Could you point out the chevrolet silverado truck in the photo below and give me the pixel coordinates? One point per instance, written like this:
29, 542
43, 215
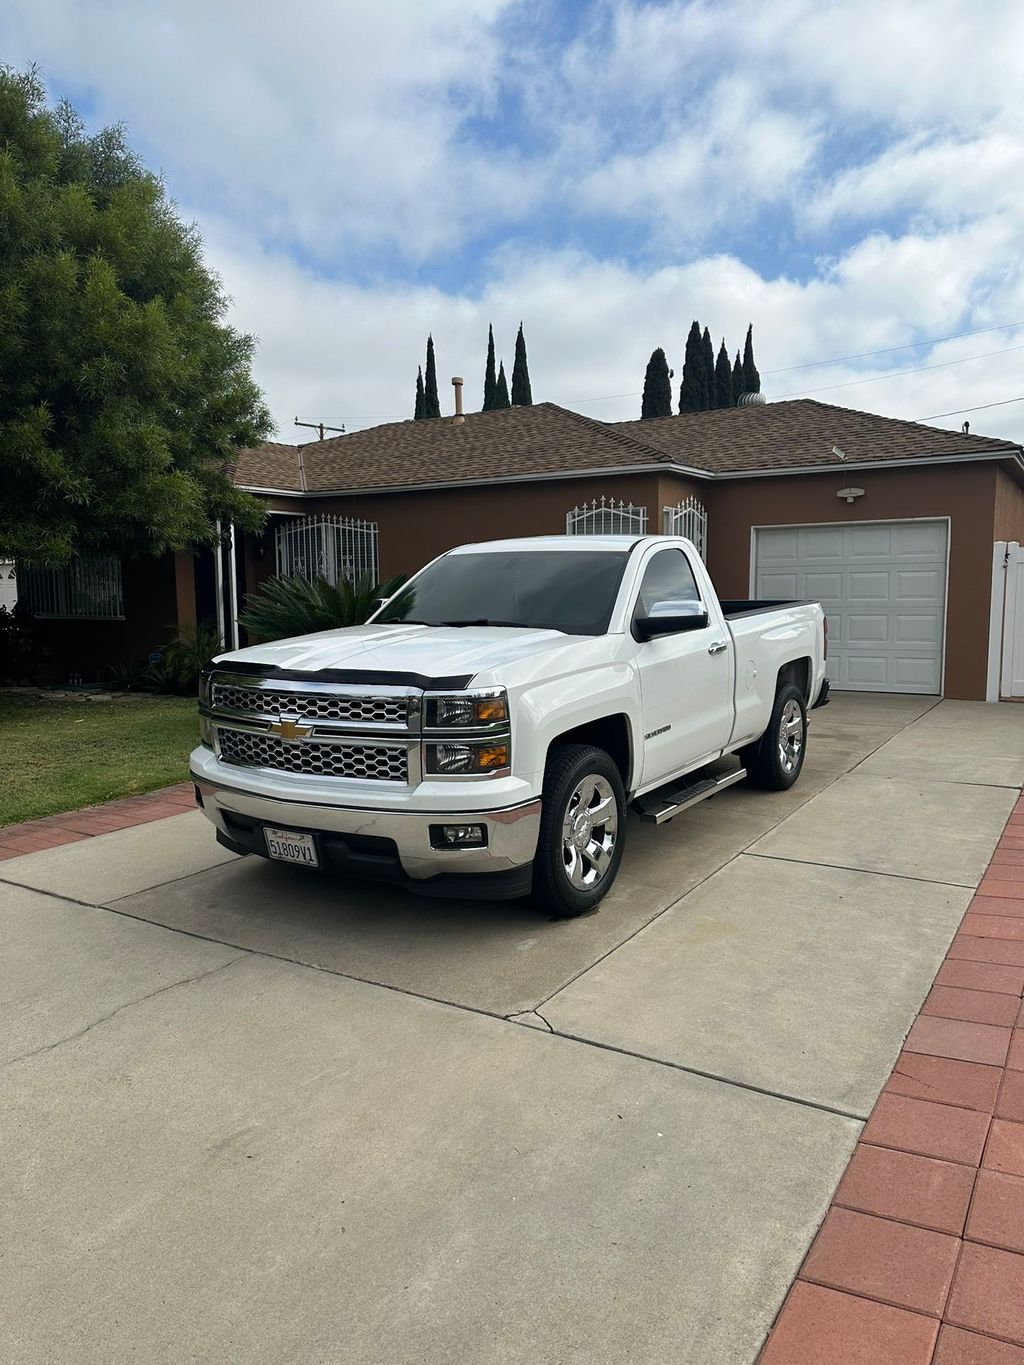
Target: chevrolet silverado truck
488, 729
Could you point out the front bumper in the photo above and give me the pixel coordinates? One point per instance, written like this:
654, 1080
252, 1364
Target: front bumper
385, 845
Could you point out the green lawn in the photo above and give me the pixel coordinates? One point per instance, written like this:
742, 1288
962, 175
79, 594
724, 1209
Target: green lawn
57, 756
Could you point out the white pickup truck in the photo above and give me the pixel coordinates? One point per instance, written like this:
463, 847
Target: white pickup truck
486, 732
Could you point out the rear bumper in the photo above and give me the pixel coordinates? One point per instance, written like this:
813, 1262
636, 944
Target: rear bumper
389, 845
822, 699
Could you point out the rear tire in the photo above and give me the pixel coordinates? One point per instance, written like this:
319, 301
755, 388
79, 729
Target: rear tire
582, 830
775, 761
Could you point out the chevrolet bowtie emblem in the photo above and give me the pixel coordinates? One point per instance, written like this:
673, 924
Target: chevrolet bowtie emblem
290, 729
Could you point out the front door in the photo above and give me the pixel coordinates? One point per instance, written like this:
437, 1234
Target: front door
685, 679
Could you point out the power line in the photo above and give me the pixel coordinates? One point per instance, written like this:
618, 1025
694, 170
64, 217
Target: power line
888, 350
980, 407
892, 374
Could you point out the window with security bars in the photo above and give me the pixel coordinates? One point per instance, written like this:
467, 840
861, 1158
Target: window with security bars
690, 520
327, 547
8, 584
89, 587
606, 517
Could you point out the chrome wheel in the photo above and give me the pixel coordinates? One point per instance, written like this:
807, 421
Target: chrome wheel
791, 736
590, 828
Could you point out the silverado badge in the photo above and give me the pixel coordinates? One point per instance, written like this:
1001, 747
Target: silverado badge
290, 729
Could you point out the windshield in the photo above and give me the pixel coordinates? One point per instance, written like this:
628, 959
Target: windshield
568, 590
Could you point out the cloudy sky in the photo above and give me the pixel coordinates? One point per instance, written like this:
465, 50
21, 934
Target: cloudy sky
847, 176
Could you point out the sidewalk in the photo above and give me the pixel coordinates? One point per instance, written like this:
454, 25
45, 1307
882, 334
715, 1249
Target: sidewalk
920, 1260
72, 826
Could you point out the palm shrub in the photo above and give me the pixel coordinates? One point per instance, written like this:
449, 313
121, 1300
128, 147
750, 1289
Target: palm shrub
300, 606
184, 657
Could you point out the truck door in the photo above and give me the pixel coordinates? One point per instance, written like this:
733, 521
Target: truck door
686, 680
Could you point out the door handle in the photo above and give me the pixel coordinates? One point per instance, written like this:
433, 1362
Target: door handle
717, 647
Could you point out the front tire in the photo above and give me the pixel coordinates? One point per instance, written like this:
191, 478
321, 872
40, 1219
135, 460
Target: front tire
775, 761
582, 830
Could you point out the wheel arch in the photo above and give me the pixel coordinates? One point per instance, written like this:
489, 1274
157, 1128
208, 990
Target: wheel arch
797, 671
613, 734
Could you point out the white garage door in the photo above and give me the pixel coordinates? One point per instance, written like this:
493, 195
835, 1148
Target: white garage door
883, 586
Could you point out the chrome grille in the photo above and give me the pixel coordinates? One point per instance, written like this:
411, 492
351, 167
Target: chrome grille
369, 762
312, 705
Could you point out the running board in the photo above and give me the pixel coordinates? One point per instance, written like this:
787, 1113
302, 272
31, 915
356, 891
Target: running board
659, 806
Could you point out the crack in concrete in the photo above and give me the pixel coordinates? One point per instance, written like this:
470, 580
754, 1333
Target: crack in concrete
128, 1004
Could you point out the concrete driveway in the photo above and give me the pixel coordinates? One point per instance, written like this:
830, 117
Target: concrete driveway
251, 1114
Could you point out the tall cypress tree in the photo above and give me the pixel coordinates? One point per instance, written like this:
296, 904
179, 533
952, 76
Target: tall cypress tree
751, 378
657, 400
419, 414
501, 389
709, 368
431, 404
522, 394
723, 379
693, 391
490, 379
737, 378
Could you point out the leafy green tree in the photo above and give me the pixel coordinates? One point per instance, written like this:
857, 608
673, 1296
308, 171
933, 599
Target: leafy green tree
657, 399
285, 606
419, 413
723, 379
122, 390
737, 378
708, 352
431, 403
693, 391
522, 394
751, 378
490, 379
501, 389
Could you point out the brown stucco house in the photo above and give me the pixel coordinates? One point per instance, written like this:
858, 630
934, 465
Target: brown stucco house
894, 525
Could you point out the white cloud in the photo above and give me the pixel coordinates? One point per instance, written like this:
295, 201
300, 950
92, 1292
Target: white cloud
333, 156
337, 352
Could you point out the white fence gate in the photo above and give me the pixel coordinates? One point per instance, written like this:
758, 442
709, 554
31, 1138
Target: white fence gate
327, 547
690, 520
606, 518
1012, 681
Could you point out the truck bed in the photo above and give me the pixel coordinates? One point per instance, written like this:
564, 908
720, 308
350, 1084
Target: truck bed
750, 606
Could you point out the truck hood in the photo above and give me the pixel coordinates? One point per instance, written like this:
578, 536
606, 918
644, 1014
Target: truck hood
452, 653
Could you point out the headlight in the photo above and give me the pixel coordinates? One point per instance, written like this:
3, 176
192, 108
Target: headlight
454, 759
206, 731
465, 711
204, 688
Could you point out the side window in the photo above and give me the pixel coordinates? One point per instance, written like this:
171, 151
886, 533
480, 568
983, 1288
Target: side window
667, 578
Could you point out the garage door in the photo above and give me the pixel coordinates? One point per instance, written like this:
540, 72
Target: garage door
883, 586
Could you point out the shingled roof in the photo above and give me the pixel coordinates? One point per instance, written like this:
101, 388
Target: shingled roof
799, 433
270, 465
548, 440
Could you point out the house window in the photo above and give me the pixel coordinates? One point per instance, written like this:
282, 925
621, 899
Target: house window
688, 519
89, 587
327, 547
606, 518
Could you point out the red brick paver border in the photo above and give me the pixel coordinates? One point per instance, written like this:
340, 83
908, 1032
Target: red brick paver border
74, 825
920, 1260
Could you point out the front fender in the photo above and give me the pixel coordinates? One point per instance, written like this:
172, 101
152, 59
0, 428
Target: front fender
545, 710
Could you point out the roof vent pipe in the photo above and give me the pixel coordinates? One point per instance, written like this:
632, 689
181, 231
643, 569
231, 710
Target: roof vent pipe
751, 400
457, 385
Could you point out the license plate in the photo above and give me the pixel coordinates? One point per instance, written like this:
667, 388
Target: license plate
290, 847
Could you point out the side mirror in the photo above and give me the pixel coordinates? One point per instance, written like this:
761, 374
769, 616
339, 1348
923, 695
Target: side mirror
377, 603
671, 618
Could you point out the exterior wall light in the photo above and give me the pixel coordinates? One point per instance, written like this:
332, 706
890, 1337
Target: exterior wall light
850, 494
